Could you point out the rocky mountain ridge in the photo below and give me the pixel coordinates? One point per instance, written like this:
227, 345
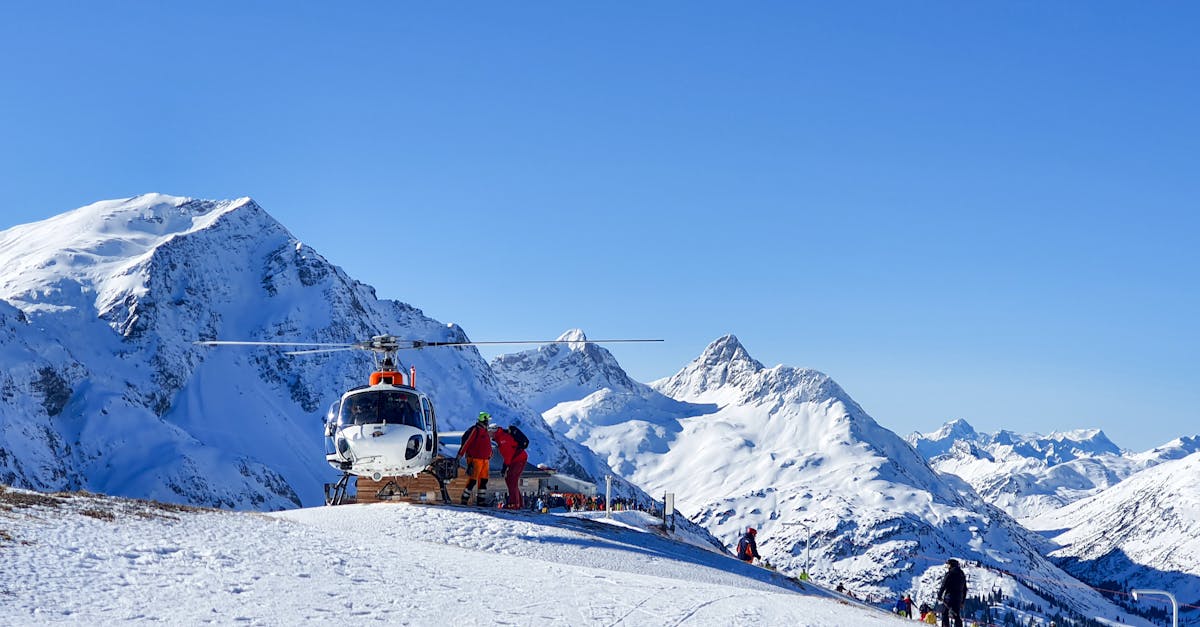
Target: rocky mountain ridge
787, 451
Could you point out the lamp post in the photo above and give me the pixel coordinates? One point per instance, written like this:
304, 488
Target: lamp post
807, 546
1174, 603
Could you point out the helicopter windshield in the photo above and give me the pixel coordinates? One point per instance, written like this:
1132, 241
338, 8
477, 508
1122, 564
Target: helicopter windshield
388, 407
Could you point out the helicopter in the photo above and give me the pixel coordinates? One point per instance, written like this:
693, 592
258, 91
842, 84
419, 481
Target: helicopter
387, 428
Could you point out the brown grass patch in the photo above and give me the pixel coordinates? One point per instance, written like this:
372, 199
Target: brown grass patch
99, 514
172, 507
28, 499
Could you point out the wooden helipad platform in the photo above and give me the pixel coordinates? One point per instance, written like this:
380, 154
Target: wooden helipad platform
423, 488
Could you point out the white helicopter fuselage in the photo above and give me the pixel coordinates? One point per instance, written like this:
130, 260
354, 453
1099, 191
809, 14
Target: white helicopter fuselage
381, 431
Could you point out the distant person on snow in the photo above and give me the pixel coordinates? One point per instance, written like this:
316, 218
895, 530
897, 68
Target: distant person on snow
477, 447
907, 606
953, 593
747, 549
512, 444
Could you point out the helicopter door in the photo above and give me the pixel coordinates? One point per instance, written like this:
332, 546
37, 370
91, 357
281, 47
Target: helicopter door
430, 422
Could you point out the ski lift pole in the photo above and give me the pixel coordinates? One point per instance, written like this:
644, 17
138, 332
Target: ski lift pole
608, 496
1174, 603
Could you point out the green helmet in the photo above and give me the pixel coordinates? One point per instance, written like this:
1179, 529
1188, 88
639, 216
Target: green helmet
484, 417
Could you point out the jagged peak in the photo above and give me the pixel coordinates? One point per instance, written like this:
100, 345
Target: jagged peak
724, 363
566, 370
957, 429
726, 350
575, 339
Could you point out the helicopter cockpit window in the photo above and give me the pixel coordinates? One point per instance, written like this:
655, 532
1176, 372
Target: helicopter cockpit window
397, 408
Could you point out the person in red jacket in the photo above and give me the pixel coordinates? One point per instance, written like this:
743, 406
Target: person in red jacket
514, 457
477, 447
747, 549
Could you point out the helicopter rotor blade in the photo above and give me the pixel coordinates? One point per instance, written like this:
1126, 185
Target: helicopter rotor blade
391, 344
421, 344
243, 343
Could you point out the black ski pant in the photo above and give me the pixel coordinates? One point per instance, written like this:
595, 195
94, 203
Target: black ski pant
952, 610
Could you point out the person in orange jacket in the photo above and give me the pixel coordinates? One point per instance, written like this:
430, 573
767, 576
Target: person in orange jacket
477, 447
514, 457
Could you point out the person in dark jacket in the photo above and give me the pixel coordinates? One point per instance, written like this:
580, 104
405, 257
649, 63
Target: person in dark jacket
477, 446
953, 593
747, 549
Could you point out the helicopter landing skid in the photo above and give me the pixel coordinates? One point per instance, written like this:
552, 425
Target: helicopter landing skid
335, 493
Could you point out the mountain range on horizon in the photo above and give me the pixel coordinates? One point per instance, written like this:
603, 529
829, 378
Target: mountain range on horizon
104, 390
843, 463
1028, 475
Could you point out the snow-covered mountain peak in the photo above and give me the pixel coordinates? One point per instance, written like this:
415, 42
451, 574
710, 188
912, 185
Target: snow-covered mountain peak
940, 442
958, 429
1084, 442
725, 350
724, 363
550, 374
96, 255
575, 338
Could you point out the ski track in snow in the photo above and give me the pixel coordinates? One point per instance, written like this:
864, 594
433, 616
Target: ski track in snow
385, 563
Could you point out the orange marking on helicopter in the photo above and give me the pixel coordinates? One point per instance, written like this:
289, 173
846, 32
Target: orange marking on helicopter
389, 376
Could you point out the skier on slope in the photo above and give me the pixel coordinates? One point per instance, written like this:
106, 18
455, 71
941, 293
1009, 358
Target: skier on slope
747, 549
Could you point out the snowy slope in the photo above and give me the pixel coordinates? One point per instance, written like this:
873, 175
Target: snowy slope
103, 388
1029, 474
1141, 533
87, 560
779, 448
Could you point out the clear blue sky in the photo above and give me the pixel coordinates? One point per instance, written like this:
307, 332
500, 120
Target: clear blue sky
957, 210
